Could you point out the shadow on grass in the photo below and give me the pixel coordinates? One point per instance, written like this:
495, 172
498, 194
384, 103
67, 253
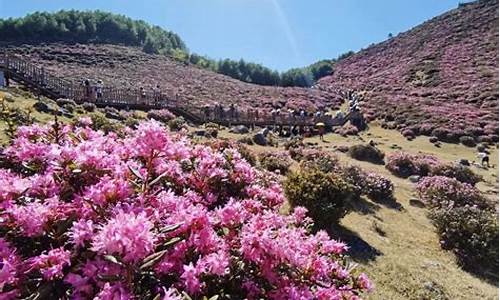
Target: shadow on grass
389, 203
363, 206
359, 249
488, 273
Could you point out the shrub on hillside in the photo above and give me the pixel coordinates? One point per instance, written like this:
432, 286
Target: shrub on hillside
275, 161
100, 122
245, 152
468, 141
471, 233
347, 129
459, 172
177, 124
148, 215
90, 107
323, 161
404, 164
442, 192
325, 195
356, 177
366, 153
162, 115
378, 188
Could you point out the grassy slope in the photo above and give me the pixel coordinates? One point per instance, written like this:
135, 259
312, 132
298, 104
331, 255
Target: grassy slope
410, 253
407, 257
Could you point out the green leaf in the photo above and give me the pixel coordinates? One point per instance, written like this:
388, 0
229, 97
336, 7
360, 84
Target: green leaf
135, 172
109, 278
214, 297
186, 296
152, 259
154, 181
157, 297
172, 241
112, 259
170, 228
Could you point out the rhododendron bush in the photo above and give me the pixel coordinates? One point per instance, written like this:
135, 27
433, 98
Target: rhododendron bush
145, 215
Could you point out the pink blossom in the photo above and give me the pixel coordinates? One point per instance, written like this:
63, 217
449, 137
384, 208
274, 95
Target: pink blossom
126, 234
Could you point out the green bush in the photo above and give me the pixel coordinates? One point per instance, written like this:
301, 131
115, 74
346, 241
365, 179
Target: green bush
471, 233
356, 177
176, 124
100, 122
321, 160
379, 188
366, 153
275, 161
325, 195
459, 172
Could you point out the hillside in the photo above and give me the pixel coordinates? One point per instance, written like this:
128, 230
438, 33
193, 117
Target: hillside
130, 67
440, 76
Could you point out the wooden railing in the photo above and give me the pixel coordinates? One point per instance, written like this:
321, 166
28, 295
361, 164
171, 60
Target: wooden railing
53, 87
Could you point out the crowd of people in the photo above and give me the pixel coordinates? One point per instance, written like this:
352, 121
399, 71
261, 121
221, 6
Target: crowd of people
95, 92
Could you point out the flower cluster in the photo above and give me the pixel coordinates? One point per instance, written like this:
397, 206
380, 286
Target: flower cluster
378, 187
466, 221
405, 164
148, 215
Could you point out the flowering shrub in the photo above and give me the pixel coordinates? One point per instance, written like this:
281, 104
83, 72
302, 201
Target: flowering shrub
378, 187
404, 164
245, 152
468, 141
459, 172
347, 129
177, 124
324, 161
465, 221
356, 177
275, 161
146, 215
162, 115
325, 195
440, 191
100, 122
366, 153
471, 233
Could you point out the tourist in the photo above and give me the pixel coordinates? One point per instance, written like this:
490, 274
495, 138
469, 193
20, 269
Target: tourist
484, 159
157, 95
98, 89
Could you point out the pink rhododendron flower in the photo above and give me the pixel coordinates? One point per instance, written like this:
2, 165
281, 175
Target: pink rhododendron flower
126, 234
52, 263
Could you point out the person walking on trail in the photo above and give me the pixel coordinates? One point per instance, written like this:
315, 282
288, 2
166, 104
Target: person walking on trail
157, 95
483, 156
98, 89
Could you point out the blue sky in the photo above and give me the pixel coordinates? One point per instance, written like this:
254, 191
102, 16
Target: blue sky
277, 33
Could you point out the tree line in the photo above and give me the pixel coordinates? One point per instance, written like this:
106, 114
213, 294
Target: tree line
103, 27
89, 27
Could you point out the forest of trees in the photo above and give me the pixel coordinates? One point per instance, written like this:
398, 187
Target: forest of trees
103, 27
89, 26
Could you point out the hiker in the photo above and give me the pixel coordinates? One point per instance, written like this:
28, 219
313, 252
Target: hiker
232, 111
142, 95
321, 131
2, 78
206, 112
88, 90
484, 159
98, 89
157, 95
